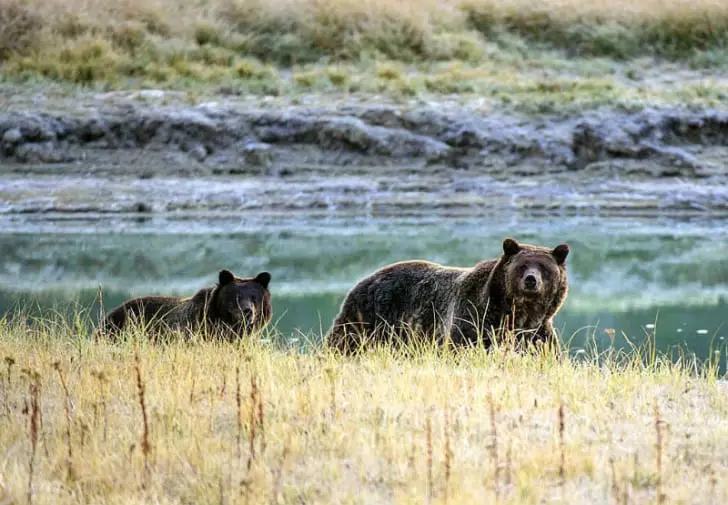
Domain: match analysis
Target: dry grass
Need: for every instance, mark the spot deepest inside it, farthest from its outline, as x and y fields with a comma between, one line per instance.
x=257, y=423
x=140, y=42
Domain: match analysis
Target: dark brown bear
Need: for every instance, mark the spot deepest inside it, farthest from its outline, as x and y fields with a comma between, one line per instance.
x=522, y=290
x=231, y=309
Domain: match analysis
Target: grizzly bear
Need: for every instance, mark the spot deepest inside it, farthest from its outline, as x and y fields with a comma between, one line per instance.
x=522, y=290
x=233, y=308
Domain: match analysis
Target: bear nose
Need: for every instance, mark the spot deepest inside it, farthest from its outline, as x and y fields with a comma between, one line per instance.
x=248, y=315
x=530, y=282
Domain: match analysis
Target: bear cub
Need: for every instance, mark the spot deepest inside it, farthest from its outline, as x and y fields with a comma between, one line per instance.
x=233, y=308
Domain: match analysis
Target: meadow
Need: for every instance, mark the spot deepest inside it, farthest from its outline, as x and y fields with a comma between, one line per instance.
x=274, y=421
x=537, y=54
x=281, y=419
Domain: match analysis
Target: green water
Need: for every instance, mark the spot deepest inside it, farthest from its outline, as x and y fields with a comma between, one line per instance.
x=625, y=273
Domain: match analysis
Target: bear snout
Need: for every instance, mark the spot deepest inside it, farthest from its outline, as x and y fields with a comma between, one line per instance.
x=531, y=282
x=248, y=315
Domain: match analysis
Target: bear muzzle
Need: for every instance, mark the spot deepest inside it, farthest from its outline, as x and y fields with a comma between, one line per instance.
x=531, y=282
x=242, y=318
x=247, y=320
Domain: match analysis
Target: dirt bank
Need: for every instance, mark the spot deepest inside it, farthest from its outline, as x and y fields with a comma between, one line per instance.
x=350, y=155
x=226, y=135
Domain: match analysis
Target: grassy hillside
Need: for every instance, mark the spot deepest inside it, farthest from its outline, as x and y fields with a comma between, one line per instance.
x=84, y=422
x=405, y=46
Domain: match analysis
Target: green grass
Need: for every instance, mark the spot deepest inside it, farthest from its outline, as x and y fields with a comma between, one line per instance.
x=267, y=422
x=535, y=90
x=285, y=46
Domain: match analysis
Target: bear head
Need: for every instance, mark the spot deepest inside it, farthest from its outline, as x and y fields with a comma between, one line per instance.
x=534, y=272
x=243, y=305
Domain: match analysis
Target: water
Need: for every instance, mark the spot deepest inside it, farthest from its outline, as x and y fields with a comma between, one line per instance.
x=626, y=274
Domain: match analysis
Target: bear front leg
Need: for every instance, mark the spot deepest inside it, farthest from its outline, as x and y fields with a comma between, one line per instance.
x=546, y=334
x=344, y=337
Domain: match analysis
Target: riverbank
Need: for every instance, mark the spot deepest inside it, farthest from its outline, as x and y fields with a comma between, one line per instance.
x=462, y=84
x=79, y=131
x=353, y=152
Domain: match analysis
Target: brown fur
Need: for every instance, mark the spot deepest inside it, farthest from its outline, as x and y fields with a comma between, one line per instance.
x=463, y=304
x=234, y=307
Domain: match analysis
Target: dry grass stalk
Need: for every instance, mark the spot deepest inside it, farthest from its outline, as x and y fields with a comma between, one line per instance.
x=211, y=409
x=713, y=484
x=67, y=411
x=261, y=421
x=223, y=388
x=278, y=472
x=9, y=362
x=33, y=427
x=239, y=413
x=509, y=463
x=221, y=490
x=100, y=377
x=428, y=445
x=145, y=443
x=84, y=429
x=494, y=447
x=411, y=460
x=562, y=447
x=448, y=454
x=613, y=478
x=658, y=452
x=332, y=388
x=253, y=419
x=101, y=312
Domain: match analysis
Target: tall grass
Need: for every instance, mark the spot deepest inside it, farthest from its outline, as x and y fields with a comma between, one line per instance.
x=102, y=41
x=312, y=427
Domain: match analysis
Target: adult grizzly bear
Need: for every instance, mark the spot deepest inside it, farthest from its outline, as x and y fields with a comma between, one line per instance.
x=231, y=309
x=523, y=290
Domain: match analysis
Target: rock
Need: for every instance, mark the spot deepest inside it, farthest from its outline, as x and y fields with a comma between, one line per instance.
x=682, y=162
x=257, y=154
x=175, y=158
x=198, y=152
x=41, y=152
x=93, y=130
x=142, y=207
x=12, y=136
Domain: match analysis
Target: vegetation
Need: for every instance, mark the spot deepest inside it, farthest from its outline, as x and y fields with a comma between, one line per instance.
x=405, y=47
x=260, y=422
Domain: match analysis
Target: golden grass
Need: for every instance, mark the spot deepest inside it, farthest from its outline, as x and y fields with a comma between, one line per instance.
x=138, y=42
x=256, y=423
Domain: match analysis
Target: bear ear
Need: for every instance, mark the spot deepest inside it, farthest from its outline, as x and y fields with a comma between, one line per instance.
x=263, y=279
x=225, y=277
x=511, y=247
x=560, y=252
